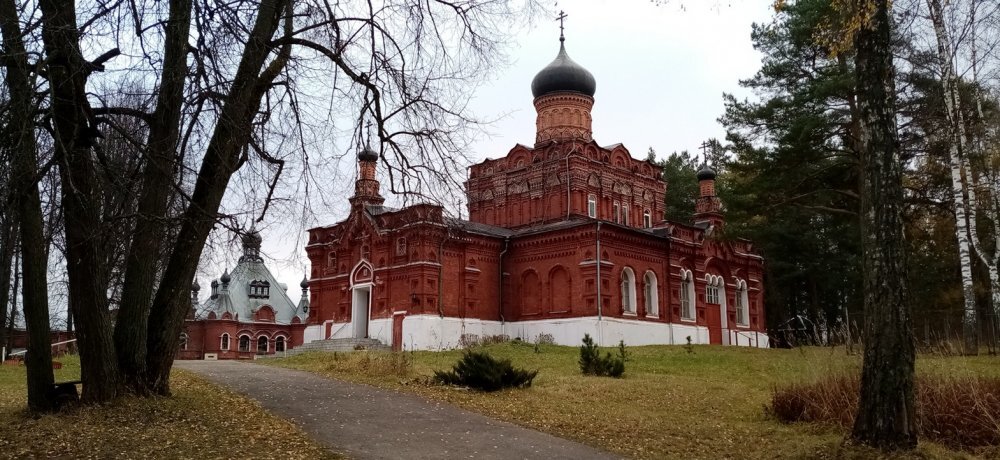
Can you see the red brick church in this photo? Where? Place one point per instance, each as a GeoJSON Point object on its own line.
{"type": "Point", "coordinates": [564, 237]}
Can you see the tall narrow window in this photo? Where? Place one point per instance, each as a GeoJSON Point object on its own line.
{"type": "Point", "coordinates": [244, 343]}
{"type": "Point", "coordinates": [592, 206]}
{"type": "Point", "coordinates": [628, 291]}
{"type": "Point", "coordinates": [616, 212]}
{"type": "Point", "coordinates": [742, 312]}
{"type": "Point", "coordinates": [184, 341]}
{"type": "Point", "coordinates": [687, 293]}
{"type": "Point", "coordinates": [651, 294]}
{"type": "Point", "coordinates": [279, 344]}
{"type": "Point", "coordinates": [331, 261]}
{"type": "Point", "coordinates": [625, 219]}
{"type": "Point", "coordinates": [647, 219]}
{"type": "Point", "coordinates": [366, 252]}
{"type": "Point", "coordinates": [401, 246]}
{"type": "Point", "coordinates": [224, 346]}
{"type": "Point", "coordinates": [712, 289]}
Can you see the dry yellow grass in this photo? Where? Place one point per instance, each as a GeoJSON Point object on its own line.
{"type": "Point", "coordinates": [671, 403]}
{"type": "Point", "coordinates": [199, 421]}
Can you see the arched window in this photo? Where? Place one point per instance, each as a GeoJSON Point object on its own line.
{"type": "Point", "coordinates": [259, 289]}
{"type": "Point", "coordinates": [531, 287]}
{"type": "Point", "coordinates": [331, 261]}
{"type": "Point", "coordinates": [647, 219]}
{"type": "Point", "coordinates": [742, 310]}
{"type": "Point", "coordinates": [592, 206]}
{"type": "Point", "coordinates": [713, 283]}
{"type": "Point", "coordinates": [561, 289]}
{"type": "Point", "coordinates": [279, 344]}
{"type": "Point", "coordinates": [651, 295]}
{"type": "Point", "coordinates": [628, 291]}
{"type": "Point", "coordinates": [244, 343]}
{"type": "Point", "coordinates": [261, 345]}
{"type": "Point", "coordinates": [401, 246]}
{"type": "Point", "coordinates": [616, 212]}
{"type": "Point", "coordinates": [224, 343]}
{"type": "Point", "coordinates": [687, 295]}
{"type": "Point", "coordinates": [625, 219]}
{"type": "Point", "coordinates": [184, 341]}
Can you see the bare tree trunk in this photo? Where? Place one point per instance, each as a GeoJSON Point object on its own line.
{"type": "Point", "coordinates": [222, 158]}
{"type": "Point", "coordinates": [8, 244]}
{"type": "Point", "coordinates": [74, 135]}
{"type": "Point", "coordinates": [29, 209]}
{"type": "Point", "coordinates": [157, 185]}
{"type": "Point", "coordinates": [886, 415]}
{"type": "Point", "coordinates": [956, 148]}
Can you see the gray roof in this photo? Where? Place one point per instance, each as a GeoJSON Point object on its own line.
{"type": "Point", "coordinates": [476, 227]}
{"type": "Point", "coordinates": [235, 297]}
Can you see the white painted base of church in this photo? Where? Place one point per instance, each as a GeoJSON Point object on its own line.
{"type": "Point", "coordinates": [432, 332]}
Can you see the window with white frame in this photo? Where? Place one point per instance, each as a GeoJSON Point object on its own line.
{"type": "Point", "coordinates": [184, 341]}
{"type": "Point", "coordinates": [742, 310]}
{"type": "Point", "coordinates": [261, 345]}
{"type": "Point", "coordinates": [625, 219]}
{"type": "Point", "coordinates": [244, 343]}
{"type": "Point", "coordinates": [651, 295]}
{"type": "Point", "coordinates": [592, 206]}
{"type": "Point", "coordinates": [687, 295]}
{"type": "Point", "coordinates": [647, 219]}
{"type": "Point", "coordinates": [628, 291]}
{"type": "Point", "coordinates": [279, 344]}
{"type": "Point", "coordinates": [224, 345]}
{"type": "Point", "coordinates": [712, 288]}
{"type": "Point", "coordinates": [616, 212]}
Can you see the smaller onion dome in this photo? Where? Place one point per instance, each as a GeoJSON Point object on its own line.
{"type": "Point", "coordinates": [252, 239]}
{"type": "Point", "coordinates": [305, 283]}
{"type": "Point", "coordinates": [195, 286]}
{"type": "Point", "coordinates": [367, 154]}
{"type": "Point", "coordinates": [706, 173]}
{"type": "Point", "coordinates": [225, 277]}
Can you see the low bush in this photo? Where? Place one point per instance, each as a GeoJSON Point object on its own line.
{"type": "Point", "coordinates": [961, 413]}
{"type": "Point", "coordinates": [481, 371]}
{"type": "Point", "coordinates": [592, 363]}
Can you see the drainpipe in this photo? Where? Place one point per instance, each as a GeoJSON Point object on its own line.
{"type": "Point", "coordinates": [440, 304]}
{"type": "Point", "coordinates": [599, 262]}
{"type": "Point", "coordinates": [506, 242]}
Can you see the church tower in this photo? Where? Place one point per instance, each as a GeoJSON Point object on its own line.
{"type": "Point", "coordinates": [708, 208]}
{"type": "Point", "coordinates": [366, 187]}
{"type": "Point", "coordinates": [564, 97]}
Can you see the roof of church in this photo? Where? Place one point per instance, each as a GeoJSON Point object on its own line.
{"type": "Point", "coordinates": [563, 74]}
{"type": "Point", "coordinates": [235, 298]}
{"type": "Point", "coordinates": [476, 227]}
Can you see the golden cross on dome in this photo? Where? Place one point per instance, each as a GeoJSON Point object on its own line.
{"type": "Point", "coordinates": [560, 18]}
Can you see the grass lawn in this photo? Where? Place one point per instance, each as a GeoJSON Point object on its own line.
{"type": "Point", "coordinates": [200, 421]}
{"type": "Point", "coordinates": [671, 403]}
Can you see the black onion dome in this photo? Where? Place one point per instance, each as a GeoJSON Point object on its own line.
{"type": "Point", "coordinates": [225, 277]}
{"type": "Point", "coordinates": [252, 239]}
{"type": "Point", "coordinates": [368, 155]}
{"type": "Point", "coordinates": [706, 173]}
{"type": "Point", "coordinates": [305, 283]}
{"type": "Point", "coordinates": [195, 286]}
{"type": "Point", "coordinates": [563, 75]}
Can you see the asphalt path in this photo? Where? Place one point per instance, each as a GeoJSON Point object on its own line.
{"type": "Point", "coordinates": [364, 422]}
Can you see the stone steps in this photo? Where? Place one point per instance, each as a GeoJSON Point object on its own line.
{"type": "Point", "coordinates": [338, 345]}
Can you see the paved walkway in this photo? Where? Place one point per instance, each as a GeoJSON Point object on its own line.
{"type": "Point", "coordinates": [365, 422]}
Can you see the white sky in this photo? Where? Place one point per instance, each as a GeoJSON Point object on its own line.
{"type": "Point", "coordinates": [660, 70]}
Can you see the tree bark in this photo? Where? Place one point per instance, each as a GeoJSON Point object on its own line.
{"type": "Point", "coordinates": [8, 242]}
{"type": "Point", "coordinates": [886, 416]}
{"type": "Point", "coordinates": [957, 147]}
{"type": "Point", "coordinates": [34, 263]}
{"type": "Point", "coordinates": [143, 258]}
{"type": "Point", "coordinates": [74, 135]}
{"type": "Point", "coordinates": [222, 158]}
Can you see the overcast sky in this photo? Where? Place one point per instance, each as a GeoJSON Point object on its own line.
{"type": "Point", "coordinates": [660, 70]}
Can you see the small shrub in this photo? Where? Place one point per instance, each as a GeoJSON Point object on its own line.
{"type": "Point", "coordinates": [592, 363]}
{"type": "Point", "coordinates": [493, 339]}
{"type": "Point", "coordinates": [690, 346]}
{"type": "Point", "coordinates": [545, 339]}
{"type": "Point", "coordinates": [468, 340]}
{"type": "Point", "coordinates": [481, 371]}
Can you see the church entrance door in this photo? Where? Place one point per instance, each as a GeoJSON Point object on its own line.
{"type": "Point", "coordinates": [360, 311]}
{"type": "Point", "coordinates": [714, 319]}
